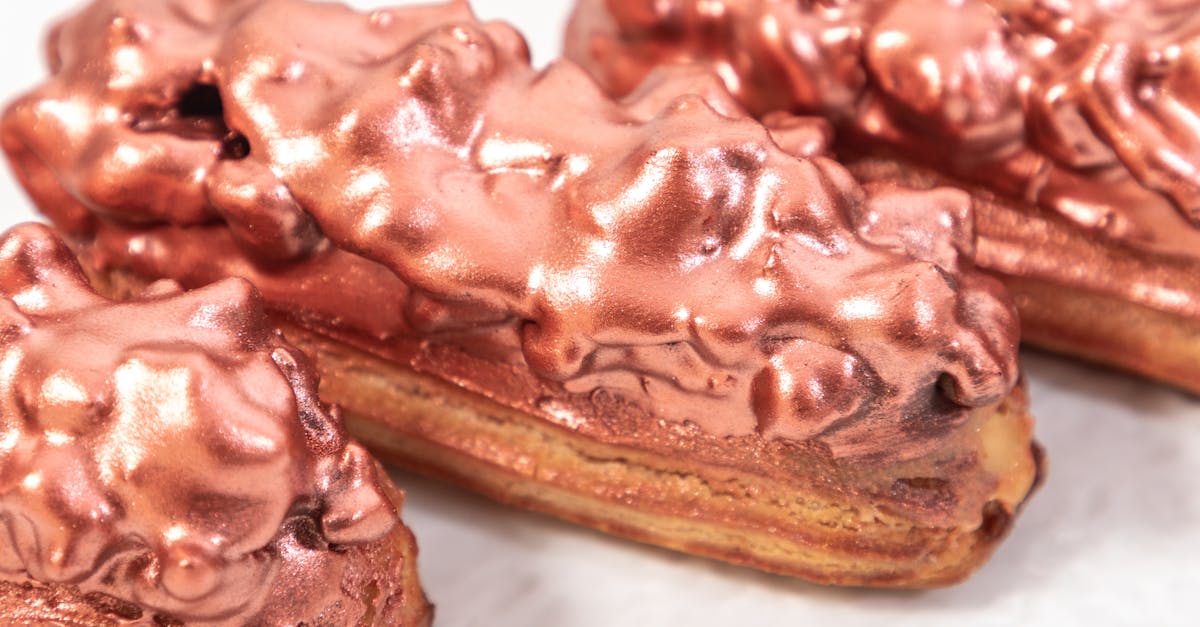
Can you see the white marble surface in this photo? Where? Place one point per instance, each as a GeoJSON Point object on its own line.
{"type": "Point", "coordinates": [1113, 538]}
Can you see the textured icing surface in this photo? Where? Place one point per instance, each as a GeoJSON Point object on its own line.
{"type": "Point", "coordinates": [1086, 108]}
{"type": "Point", "coordinates": [664, 248]}
{"type": "Point", "coordinates": [170, 451]}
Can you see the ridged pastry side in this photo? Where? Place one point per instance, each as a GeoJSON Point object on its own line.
{"type": "Point", "coordinates": [436, 428]}
{"type": "Point", "coordinates": [684, 502]}
{"type": "Point", "coordinates": [1089, 309]}
{"type": "Point", "coordinates": [660, 279]}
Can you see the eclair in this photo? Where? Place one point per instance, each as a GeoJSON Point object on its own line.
{"type": "Point", "coordinates": [655, 317]}
{"type": "Point", "coordinates": [165, 461]}
{"type": "Point", "coordinates": [1073, 124]}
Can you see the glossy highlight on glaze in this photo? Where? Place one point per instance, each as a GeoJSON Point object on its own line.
{"type": "Point", "coordinates": [424, 181]}
{"type": "Point", "coordinates": [170, 452]}
{"type": "Point", "coordinates": [1086, 109]}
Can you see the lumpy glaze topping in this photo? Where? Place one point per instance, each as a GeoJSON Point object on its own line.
{"type": "Point", "coordinates": [168, 451]}
{"type": "Point", "coordinates": [665, 248]}
{"type": "Point", "coordinates": [1086, 108]}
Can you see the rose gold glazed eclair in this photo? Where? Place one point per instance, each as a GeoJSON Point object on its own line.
{"type": "Point", "coordinates": [165, 461]}
{"type": "Point", "coordinates": [645, 317]}
{"type": "Point", "coordinates": [1073, 123]}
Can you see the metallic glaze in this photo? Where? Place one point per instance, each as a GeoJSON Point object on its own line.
{"type": "Point", "coordinates": [966, 479]}
{"type": "Point", "coordinates": [664, 248]}
{"type": "Point", "coordinates": [1086, 109]}
{"type": "Point", "coordinates": [170, 451]}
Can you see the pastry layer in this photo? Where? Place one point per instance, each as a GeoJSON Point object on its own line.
{"type": "Point", "coordinates": [1081, 295]}
{"type": "Point", "coordinates": [692, 505]}
{"type": "Point", "coordinates": [790, 511]}
{"type": "Point", "coordinates": [661, 274]}
{"type": "Point", "coordinates": [1109, 330]}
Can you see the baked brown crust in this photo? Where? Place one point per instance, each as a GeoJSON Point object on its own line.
{"type": "Point", "coordinates": [1093, 312]}
{"type": "Point", "coordinates": [656, 279]}
{"type": "Point", "coordinates": [792, 513]}
{"type": "Point", "coordinates": [691, 505]}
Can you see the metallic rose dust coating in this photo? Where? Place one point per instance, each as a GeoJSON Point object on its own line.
{"type": "Point", "coordinates": [1086, 109]}
{"type": "Point", "coordinates": [657, 317]}
{"type": "Point", "coordinates": [664, 248]}
{"type": "Point", "coordinates": [169, 453]}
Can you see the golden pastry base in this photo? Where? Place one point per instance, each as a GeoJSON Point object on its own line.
{"type": "Point", "coordinates": [435, 428]}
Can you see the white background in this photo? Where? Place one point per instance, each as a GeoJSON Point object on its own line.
{"type": "Point", "coordinates": [1113, 537]}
